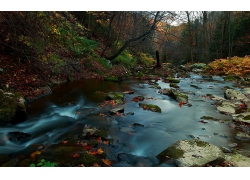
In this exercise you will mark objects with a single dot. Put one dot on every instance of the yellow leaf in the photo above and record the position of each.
(100, 151)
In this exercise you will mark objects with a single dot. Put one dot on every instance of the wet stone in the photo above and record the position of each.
(232, 145)
(116, 110)
(18, 137)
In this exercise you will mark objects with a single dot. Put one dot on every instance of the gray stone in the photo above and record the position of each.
(226, 107)
(238, 159)
(116, 110)
(242, 117)
(188, 153)
(233, 94)
(241, 136)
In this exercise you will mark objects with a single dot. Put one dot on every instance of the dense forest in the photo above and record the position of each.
(43, 46)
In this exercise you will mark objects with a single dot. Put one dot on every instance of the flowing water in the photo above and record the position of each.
(53, 116)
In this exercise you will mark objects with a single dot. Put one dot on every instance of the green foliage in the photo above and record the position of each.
(125, 59)
(44, 163)
(146, 59)
(104, 62)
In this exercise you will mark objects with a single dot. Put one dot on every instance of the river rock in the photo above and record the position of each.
(150, 107)
(18, 137)
(165, 91)
(226, 107)
(116, 110)
(217, 98)
(225, 150)
(242, 117)
(178, 96)
(188, 153)
(238, 159)
(246, 90)
(12, 107)
(233, 94)
(172, 80)
(117, 96)
(241, 136)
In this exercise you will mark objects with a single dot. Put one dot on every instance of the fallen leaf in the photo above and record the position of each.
(100, 151)
(76, 155)
(33, 155)
(64, 142)
(96, 165)
(180, 104)
(81, 165)
(106, 161)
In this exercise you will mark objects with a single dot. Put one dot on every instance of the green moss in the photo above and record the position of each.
(173, 85)
(115, 96)
(171, 152)
(112, 78)
(102, 133)
(151, 107)
(247, 117)
(139, 74)
(195, 86)
(88, 160)
(201, 143)
(172, 80)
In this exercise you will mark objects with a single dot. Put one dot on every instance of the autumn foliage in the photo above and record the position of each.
(236, 66)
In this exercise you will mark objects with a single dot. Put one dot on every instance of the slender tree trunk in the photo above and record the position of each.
(206, 50)
(190, 40)
(138, 38)
(158, 64)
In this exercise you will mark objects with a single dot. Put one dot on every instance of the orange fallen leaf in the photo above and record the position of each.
(33, 155)
(81, 165)
(99, 139)
(76, 155)
(92, 152)
(100, 151)
(105, 142)
(180, 104)
(106, 161)
(96, 165)
(64, 142)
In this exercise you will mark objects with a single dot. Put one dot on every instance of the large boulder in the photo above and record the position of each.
(238, 160)
(189, 153)
(242, 117)
(178, 96)
(226, 107)
(12, 107)
(234, 94)
(241, 136)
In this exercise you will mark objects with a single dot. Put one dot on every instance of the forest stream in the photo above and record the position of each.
(135, 139)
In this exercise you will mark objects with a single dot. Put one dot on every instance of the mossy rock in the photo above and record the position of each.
(117, 96)
(173, 85)
(12, 107)
(172, 80)
(172, 152)
(113, 78)
(191, 153)
(150, 107)
(89, 160)
(156, 86)
(178, 96)
(195, 86)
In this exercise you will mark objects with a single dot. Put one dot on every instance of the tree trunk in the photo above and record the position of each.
(158, 64)
(141, 37)
(206, 50)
